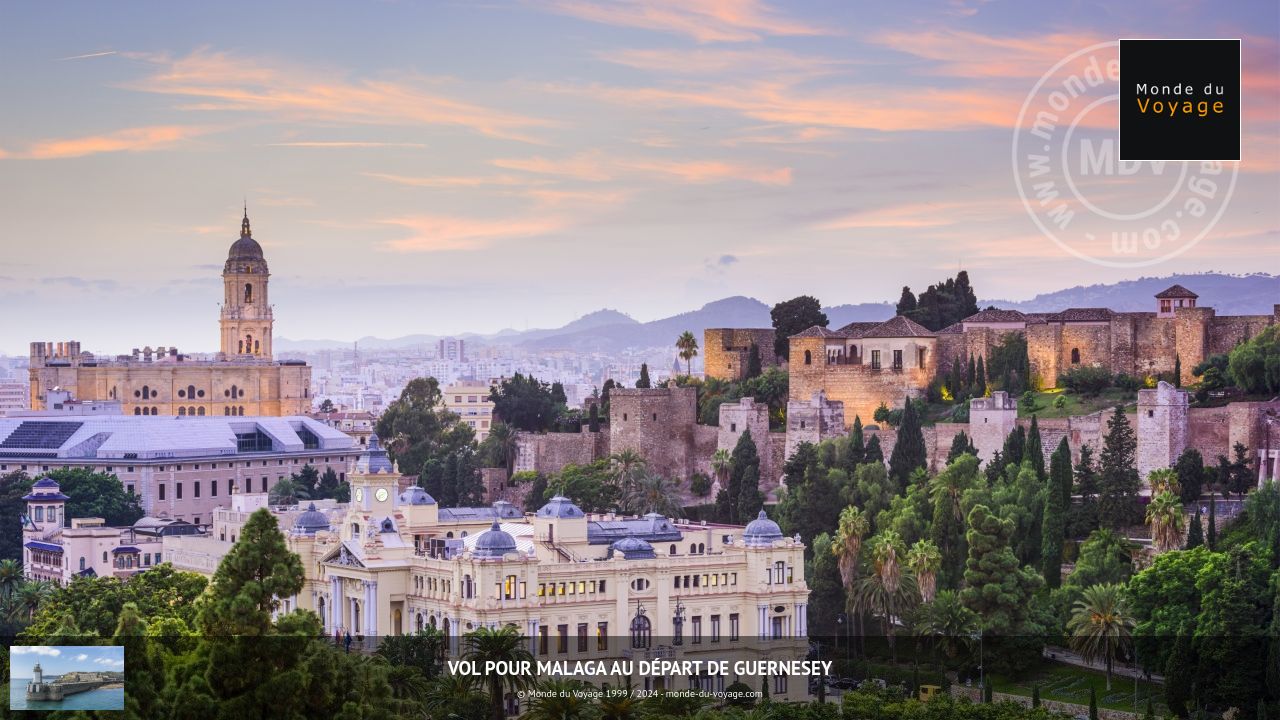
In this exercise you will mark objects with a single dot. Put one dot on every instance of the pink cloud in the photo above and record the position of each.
(703, 20)
(454, 181)
(595, 166)
(301, 94)
(440, 233)
(140, 139)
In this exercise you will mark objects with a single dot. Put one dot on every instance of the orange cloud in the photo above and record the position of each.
(439, 233)
(703, 20)
(926, 215)
(718, 61)
(596, 167)
(958, 53)
(139, 139)
(453, 181)
(299, 94)
(346, 144)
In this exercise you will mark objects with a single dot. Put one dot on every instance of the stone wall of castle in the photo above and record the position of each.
(725, 351)
(812, 421)
(1162, 427)
(861, 388)
(549, 453)
(742, 416)
(659, 424)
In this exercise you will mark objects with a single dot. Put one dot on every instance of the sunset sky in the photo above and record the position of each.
(453, 167)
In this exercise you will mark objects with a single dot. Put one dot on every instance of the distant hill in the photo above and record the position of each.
(611, 331)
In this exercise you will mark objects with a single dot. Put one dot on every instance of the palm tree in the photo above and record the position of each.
(652, 493)
(1100, 625)
(504, 439)
(1167, 520)
(1164, 479)
(626, 465)
(848, 542)
(948, 621)
(872, 595)
(619, 707)
(688, 346)
(451, 691)
(924, 559)
(721, 463)
(504, 644)
(29, 597)
(10, 577)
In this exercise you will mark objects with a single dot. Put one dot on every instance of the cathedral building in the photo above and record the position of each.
(241, 379)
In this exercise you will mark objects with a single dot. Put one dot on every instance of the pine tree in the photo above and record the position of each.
(909, 451)
(1118, 482)
(1055, 515)
(993, 565)
(754, 365)
(1034, 450)
(643, 382)
(1195, 533)
(1211, 535)
(874, 453)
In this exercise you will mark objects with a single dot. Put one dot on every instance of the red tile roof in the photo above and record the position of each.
(1176, 291)
(899, 327)
(996, 315)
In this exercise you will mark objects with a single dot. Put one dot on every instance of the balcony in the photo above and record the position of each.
(661, 652)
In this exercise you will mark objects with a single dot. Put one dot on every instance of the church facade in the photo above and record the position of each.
(241, 379)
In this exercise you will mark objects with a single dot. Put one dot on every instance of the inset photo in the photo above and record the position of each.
(66, 677)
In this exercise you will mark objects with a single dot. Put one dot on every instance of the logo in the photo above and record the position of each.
(1091, 203)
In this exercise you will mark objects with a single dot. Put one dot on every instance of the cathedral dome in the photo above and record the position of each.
(761, 532)
(246, 248)
(494, 543)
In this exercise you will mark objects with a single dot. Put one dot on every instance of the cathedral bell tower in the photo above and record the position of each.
(246, 310)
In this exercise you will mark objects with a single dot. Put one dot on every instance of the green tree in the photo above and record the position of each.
(326, 406)
(1015, 447)
(95, 494)
(887, 591)
(906, 302)
(1118, 481)
(1100, 626)
(755, 365)
(999, 590)
(847, 543)
(1211, 537)
(504, 644)
(1195, 532)
(1055, 515)
(287, 492)
(1105, 557)
(644, 381)
(961, 444)
(687, 344)
(942, 303)
(1167, 521)
(308, 479)
(924, 559)
(417, 428)
(874, 454)
(1009, 366)
(250, 581)
(743, 458)
(525, 403)
(947, 490)
(1034, 452)
(330, 486)
(1254, 365)
(1190, 469)
(909, 452)
(793, 316)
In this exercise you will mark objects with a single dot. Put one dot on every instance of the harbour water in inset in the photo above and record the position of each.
(100, 699)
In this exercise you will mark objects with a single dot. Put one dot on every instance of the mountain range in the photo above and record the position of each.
(611, 331)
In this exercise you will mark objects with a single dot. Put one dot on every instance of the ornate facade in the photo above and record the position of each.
(241, 379)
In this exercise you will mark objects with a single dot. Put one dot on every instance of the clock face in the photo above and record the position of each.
(381, 494)
(359, 494)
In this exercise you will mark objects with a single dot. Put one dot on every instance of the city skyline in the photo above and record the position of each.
(418, 167)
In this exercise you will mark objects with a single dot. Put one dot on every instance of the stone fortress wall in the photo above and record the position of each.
(725, 351)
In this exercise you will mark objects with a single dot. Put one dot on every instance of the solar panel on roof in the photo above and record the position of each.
(42, 435)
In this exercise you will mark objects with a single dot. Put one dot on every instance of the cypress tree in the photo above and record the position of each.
(1055, 515)
(593, 418)
(909, 451)
(994, 469)
(1118, 481)
(643, 382)
(1211, 537)
(743, 458)
(1015, 447)
(752, 500)
(980, 378)
(874, 453)
(857, 447)
(960, 445)
(1034, 450)
(754, 365)
(1195, 533)
(956, 382)
(1177, 371)
(1035, 696)
(971, 375)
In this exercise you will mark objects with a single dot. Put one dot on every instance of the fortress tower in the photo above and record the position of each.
(246, 310)
(1162, 428)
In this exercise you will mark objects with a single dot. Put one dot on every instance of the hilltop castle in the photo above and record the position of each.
(864, 364)
(241, 379)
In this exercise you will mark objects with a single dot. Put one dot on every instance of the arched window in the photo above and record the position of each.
(1075, 356)
(673, 550)
(137, 411)
(808, 358)
(200, 411)
(82, 563)
(191, 391)
(641, 632)
(182, 411)
(257, 347)
(702, 548)
(240, 348)
(419, 623)
(248, 342)
(104, 556)
(191, 411)
(248, 292)
(146, 392)
(468, 587)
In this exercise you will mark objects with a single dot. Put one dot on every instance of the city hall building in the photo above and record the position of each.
(578, 586)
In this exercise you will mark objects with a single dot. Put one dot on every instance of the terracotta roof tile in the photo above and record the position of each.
(899, 327)
(996, 315)
(1176, 291)
(1082, 315)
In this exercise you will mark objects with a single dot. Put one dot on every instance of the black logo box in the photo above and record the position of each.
(1186, 68)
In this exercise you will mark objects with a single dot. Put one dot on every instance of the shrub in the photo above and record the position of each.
(1060, 402)
(1088, 380)
(1128, 382)
(700, 485)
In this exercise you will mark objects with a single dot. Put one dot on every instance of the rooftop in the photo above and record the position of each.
(1175, 291)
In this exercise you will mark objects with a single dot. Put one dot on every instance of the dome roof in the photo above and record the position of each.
(46, 482)
(311, 521)
(762, 531)
(560, 507)
(416, 496)
(494, 543)
(633, 548)
(246, 248)
(374, 459)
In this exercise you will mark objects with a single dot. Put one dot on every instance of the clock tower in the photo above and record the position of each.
(246, 311)
(374, 484)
